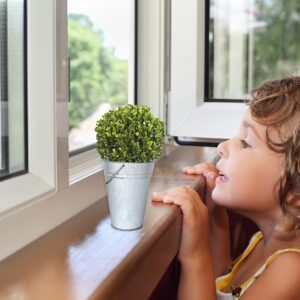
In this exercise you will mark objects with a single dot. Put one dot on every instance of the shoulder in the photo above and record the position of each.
(286, 261)
(280, 280)
(290, 257)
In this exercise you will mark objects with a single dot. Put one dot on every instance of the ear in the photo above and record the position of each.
(293, 200)
(292, 206)
(297, 203)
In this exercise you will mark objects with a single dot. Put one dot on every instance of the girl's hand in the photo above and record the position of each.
(210, 172)
(194, 236)
(200, 169)
(218, 218)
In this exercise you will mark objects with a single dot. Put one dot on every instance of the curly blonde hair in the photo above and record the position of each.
(276, 104)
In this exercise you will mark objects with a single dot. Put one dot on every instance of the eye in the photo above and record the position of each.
(245, 144)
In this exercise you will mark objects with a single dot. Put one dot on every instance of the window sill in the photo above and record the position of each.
(83, 165)
(29, 187)
(86, 258)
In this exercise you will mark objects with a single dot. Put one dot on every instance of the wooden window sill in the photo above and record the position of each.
(85, 258)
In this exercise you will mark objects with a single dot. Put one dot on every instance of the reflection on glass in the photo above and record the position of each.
(251, 41)
(12, 89)
(99, 51)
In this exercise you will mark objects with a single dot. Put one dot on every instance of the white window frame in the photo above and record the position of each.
(34, 203)
(189, 117)
(40, 176)
(51, 192)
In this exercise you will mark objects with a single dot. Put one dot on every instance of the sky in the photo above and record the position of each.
(112, 16)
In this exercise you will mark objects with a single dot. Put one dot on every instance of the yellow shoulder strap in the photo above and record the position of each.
(278, 252)
(223, 281)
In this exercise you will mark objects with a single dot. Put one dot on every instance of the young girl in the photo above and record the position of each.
(258, 177)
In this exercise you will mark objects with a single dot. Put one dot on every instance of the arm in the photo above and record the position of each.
(218, 218)
(197, 279)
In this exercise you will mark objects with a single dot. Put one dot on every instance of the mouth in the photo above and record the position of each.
(221, 178)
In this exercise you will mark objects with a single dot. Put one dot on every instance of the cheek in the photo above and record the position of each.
(238, 188)
(252, 182)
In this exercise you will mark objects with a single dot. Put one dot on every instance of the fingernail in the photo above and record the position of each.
(167, 199)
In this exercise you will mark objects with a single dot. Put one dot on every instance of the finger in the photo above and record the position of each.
(199, 169)
(192, 171)
(195, 170)
(183, 194)
(155, 196)
(177, 196)
(168, 199)
(158, 196)
(187, 169)
(187, 207)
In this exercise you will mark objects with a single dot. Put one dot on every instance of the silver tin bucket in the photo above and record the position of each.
(127, 187)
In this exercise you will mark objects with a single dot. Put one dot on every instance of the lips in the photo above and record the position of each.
(221, 178)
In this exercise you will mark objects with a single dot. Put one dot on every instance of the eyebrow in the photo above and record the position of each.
(247, 124)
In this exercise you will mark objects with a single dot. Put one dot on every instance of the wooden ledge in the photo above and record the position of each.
(85, 258)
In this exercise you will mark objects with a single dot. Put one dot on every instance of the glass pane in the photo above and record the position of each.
(251, 41)
(12, 95)
(101, 59)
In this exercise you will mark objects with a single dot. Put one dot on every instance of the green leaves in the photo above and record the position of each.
(130, 133)
(96, 74)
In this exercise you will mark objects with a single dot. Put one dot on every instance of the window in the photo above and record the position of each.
(101, 53)
(44, 197)
(250, 42)
(231, 47)
(13, 144)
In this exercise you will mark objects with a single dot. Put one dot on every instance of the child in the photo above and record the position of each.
(258, 177)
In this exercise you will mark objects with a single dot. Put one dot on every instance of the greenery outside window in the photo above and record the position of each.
(249, 42)
(101, 64)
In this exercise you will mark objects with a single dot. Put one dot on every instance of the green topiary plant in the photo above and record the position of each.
(130, 133)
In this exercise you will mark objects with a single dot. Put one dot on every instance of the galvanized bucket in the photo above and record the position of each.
(127, 187)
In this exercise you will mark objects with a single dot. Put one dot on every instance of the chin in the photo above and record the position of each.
(219, 198)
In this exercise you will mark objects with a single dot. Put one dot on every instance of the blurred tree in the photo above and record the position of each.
(118, 83)
(277, 40)
(96, 74)
(272, 42)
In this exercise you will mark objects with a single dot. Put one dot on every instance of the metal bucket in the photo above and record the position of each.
(127, 187)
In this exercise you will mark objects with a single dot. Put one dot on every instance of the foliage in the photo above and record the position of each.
(96, 74)
(130, 133)
(118, 83)
(276, 44)
(270, 45)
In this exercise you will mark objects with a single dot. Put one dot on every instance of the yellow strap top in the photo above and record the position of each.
(223, 281)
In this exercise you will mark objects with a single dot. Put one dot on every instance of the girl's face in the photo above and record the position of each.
(249, 171)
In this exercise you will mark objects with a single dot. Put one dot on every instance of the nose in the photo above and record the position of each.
(222, 149)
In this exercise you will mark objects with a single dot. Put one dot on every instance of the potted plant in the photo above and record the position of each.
(129, 140)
